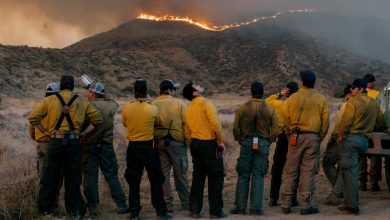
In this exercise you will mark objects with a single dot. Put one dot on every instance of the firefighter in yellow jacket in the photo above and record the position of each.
(375, 170)
(357, 122)
(41, 139)
(140, 118)
(205, 131)
(65, 114)
(277, 102)
(307, 117)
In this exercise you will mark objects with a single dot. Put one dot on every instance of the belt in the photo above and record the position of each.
(306, 132)
(60, 136)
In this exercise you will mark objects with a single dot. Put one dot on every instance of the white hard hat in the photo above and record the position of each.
(52, 87)
(97, 88)
(86, 80)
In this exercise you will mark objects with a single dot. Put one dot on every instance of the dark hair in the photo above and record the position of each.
(359, 83)
(140, 88)
(188, 91)
(50, 93)
(67, 82)
(99, 95)
(347, 89)
(293, 87)
(257, 90)
(308, 78)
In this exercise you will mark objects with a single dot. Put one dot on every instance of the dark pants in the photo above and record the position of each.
(279, 160)
(140, 155)
(103, 156)
(62, 162)
(206, 164)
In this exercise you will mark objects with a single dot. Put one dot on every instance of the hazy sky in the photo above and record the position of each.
(59, 23)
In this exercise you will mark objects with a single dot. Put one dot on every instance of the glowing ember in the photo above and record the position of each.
(210, 27)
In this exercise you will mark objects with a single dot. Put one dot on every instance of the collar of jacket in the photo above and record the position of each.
(65, 92)
(256, 100)
(197, 99)
(164, 97)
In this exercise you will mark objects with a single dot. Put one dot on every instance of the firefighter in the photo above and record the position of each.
(171, 143)
(205, 131)
(277, 101)
(65, 113)
(98, 151)
(375, 171)
(357, 122)
(331, 157)
(35, 134)
(140, 118)
(255, 128)
(308, 121)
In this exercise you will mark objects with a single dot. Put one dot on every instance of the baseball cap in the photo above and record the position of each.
(369, 78)
(359, 83)
(97, 88)
(168, 84)
(52, 87)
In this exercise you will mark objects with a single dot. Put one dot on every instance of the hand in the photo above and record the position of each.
(339, 140)
(47, 134)
(285, 91)
(222, 146)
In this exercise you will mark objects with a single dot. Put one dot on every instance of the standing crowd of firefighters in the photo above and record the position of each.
(75, 140)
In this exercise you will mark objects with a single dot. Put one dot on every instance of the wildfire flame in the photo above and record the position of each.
(145, 16)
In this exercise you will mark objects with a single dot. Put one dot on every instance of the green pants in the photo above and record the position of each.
(351, 150)
(251, 168)
(375, 171)
(103, 156)
(331, 158)
(63, 161)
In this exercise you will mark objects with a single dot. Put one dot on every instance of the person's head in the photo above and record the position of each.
(140, 88)
(167, 87)
(67, 82)
(257, 90)
(191, 91)
(370, 79)
(308, 78)
(292, 88)
(95, 90)
(358, 86)
(52, 88)
(347, 92)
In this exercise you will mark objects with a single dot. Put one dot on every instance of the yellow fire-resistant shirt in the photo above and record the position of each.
(278, 105)
(170, 110)
(35, 133)
(307, 110)
(255, 116)
(140, 117)
(359, 117)
(51, 108)
(202, 120)
(373, 93)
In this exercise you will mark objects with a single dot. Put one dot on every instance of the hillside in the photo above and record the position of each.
(225, 62)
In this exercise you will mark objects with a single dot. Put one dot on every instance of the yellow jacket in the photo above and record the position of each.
(373, 93)
(36, 134)
(307, 110)
(359, 117)
(140, 117)
(170, 110)
(278, 105)
(202, 120)
(50, 109)
(255, 116)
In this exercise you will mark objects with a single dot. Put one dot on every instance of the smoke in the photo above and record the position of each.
(57, 23)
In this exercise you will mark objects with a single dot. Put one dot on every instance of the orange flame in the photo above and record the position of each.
(145, 16)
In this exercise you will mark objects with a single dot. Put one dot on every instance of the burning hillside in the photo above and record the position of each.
(210, 27)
